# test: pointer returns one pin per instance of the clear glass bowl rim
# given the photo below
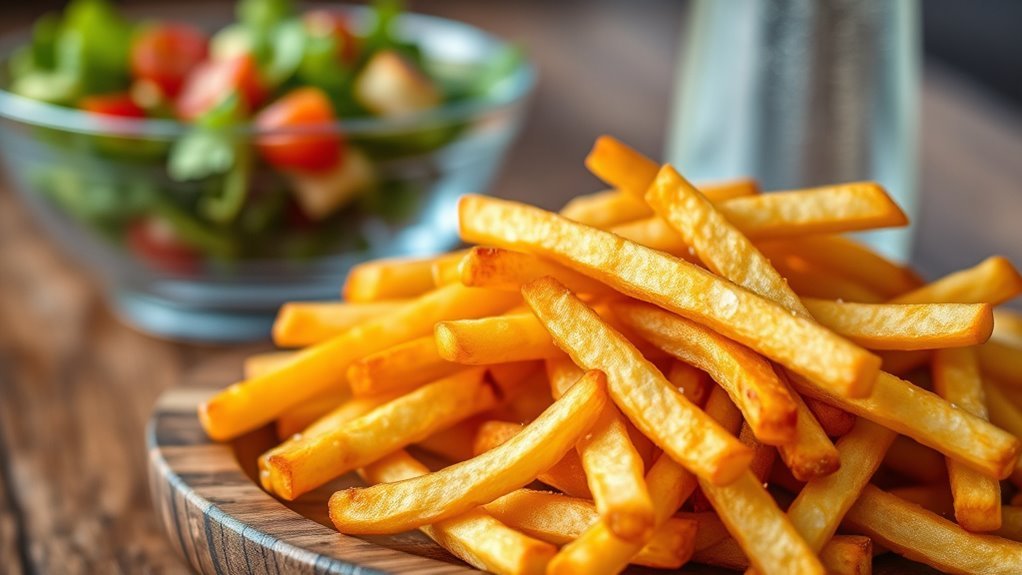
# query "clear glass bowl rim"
(515, 88)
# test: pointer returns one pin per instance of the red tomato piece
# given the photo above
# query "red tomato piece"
(310, 152)
(165, 54)
(154, 241)
(213, 80)
(329, 23)
(119, 104)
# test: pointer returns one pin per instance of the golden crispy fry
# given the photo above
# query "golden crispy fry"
(297, 419)
(597, 551)
(690, 291)
(934, 497)
(977, 497)
(915, 461)
(692, 382)
(497, 268)
(821, 505)
(395, 507)
(405, 420)
(764, 400)
(498, 339)
(399, 368)
(612, 207)
(752, 517)
(316, 370)
(993, 281)
(475, 537)
(1007, 328)
(393, 278)
(812, 280)
(1011, 523)
(456, 442)
(446, 269)
(560, 520)
(906, 326)
(1002, 362)
(812, 454)
(849, 259)
(567, 475)
(834, 422)
(340, 415)
(720, 246)
(614, 469)
(910, 530)
(848, 555)
(299, 324)
(639, 390)
(925, 417)
(261, 363)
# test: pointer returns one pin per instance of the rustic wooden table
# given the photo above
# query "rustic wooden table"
(76, 385)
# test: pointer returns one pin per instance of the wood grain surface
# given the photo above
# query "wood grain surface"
(76, 386)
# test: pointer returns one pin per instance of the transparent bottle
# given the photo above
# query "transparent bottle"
(800, 93)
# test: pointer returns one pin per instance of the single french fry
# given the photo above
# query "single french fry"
(1011, 523)
(498, 339)
(394, 425)
(402, 367)
(456, 442)
(299, 324)
(387, 279)
(1007, 328)
(613, 207)
(560, 519)
(906, 326)
(638, 388)
(977, 497)
(475, 537)
(597, 551)
(847, 258)
(811, 454)
(915, 461)
(930, 420)
(614, 470)
(321, 368)
(764, 400)
(446, 269)
(692, 382)
(1002, 362)
(498, 268)
(692, 292)
(262, 363)
(919, 535)
(395, 507)
(993, 281)
(823, 502)
(835, 422)
(338, 416)
(567, 475)
(295, 420)
(769, 539)
(934, 497)
(848, 555)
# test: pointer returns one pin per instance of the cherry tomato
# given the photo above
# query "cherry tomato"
(213, 80)
(154, 241)
(119, 104)
(328, 23)
(304, 107)
(164, 54)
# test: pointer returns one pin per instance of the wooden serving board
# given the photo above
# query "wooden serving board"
(216, 516)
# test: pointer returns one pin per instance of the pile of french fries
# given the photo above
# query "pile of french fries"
(659, 374)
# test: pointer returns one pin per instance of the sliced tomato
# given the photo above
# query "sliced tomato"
(119, 104)
(155, 242)
(332, 24)
(165, 54)
(301, 108)
(213, 80)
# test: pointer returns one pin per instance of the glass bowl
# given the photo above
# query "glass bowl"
(91, 180)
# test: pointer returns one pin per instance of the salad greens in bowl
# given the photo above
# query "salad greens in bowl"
(212, 168)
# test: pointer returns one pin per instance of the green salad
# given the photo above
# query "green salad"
(262, 169)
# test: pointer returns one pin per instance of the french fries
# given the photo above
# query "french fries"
(977, 498)
(393, 507)
(299, 324)
(678, 286)
(912, 531)
(761, 319)
(642, 392)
